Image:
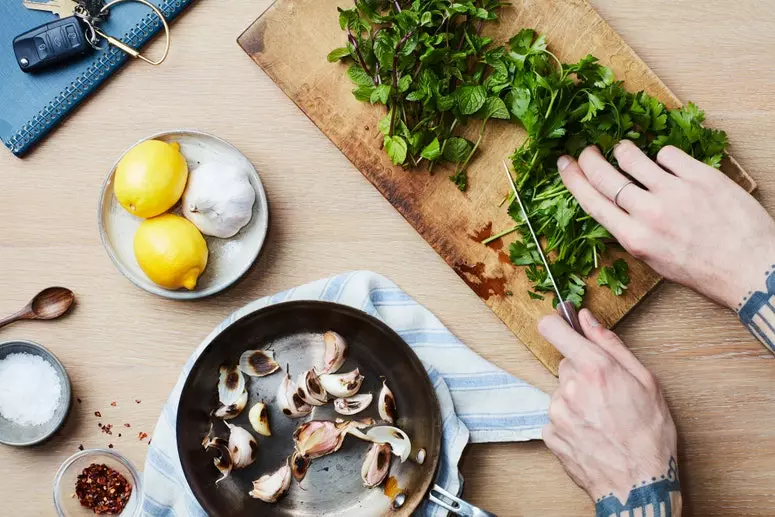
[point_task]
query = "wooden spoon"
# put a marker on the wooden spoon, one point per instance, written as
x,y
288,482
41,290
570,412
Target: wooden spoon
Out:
x,y
48,304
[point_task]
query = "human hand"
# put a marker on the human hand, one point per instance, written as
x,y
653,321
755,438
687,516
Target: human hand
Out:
x,y
609,424
689,222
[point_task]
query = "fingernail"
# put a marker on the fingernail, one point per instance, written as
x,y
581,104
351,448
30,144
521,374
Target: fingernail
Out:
x,y
563,162
591,320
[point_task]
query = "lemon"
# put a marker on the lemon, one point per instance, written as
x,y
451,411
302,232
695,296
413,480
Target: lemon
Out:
x,y
150,178
171,251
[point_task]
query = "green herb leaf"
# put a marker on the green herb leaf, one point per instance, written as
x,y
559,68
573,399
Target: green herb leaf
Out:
x,y
396,149
337,54
381,94
457,149
432,151
494,107
359,76
616,278
470,99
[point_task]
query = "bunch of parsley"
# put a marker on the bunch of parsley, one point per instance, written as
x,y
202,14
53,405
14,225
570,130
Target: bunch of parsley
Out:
x,y
429,64
564,108
424,61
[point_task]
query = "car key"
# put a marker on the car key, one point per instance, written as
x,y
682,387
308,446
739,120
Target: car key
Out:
x,y
62,8
51,43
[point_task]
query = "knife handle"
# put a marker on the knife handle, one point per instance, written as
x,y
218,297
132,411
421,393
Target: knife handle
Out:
x,y
573,321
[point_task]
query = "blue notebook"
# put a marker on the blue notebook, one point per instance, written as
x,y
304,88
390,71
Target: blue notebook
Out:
x,y
33,104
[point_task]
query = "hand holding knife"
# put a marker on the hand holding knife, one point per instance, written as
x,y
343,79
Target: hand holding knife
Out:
x,y
566,309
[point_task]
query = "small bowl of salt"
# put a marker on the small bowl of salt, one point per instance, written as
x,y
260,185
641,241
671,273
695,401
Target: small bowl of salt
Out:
x,y
34,393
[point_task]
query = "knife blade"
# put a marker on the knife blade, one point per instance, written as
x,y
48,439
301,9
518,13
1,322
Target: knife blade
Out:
x,y
566,309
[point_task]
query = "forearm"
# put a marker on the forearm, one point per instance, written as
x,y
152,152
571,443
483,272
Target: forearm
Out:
x,y
659,496
757,311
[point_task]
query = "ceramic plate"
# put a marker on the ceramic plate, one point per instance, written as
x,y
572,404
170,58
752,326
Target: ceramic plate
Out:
x,y
229,258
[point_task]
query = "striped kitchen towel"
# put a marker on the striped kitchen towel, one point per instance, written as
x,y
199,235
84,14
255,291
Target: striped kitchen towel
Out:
x,y
479,401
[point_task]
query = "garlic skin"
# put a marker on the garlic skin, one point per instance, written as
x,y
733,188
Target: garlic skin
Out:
x,y
232,392
243,448
258,416
387,404
397,439
318,438
376,465
291,404
352,405
222,460
232,410
336,352
218,199
299,466
342,385
271,487
258,363
310,389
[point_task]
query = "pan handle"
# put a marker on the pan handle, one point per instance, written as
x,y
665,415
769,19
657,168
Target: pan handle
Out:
x,y
455,505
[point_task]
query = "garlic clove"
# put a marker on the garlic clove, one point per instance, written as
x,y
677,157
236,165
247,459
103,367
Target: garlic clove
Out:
x,y
299,466
397,439
271,487
208,437
258,363
352,405
291,404
222,460
319,438
343,384
258,416
243,448
227,412
231,384
387,404
376,465
310,389
336,352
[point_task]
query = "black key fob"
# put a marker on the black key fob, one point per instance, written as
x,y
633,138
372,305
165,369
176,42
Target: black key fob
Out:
x,y
51,43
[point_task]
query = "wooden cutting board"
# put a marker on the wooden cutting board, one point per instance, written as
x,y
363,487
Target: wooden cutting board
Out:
x,y
290,42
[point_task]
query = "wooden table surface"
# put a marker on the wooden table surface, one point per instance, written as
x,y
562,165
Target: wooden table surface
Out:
x,y
122,344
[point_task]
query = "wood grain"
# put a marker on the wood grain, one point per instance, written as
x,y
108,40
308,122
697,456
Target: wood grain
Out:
x,y
290,42
121,344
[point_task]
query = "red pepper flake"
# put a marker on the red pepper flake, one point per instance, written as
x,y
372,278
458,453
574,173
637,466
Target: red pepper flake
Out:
x,y
137,401
80,447
107,428
79,400
110,446
98,414
119,435
127,425
103,490
113,403
142,436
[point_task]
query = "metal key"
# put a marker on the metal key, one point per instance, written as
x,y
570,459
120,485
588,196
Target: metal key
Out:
x,y
62,8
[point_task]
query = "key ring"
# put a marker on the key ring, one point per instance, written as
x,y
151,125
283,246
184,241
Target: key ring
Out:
x,y
95,33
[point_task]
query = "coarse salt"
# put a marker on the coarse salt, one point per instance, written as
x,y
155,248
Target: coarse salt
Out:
x,y
30,389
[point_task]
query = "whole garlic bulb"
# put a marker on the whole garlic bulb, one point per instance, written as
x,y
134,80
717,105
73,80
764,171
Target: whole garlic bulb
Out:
x,y
218,199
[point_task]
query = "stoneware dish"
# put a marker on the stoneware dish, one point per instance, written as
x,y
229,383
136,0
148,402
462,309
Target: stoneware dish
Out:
x,y
64,482
333,484
229,258
12,433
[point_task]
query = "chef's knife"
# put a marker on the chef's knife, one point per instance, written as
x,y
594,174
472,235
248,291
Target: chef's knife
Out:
x,y
566,309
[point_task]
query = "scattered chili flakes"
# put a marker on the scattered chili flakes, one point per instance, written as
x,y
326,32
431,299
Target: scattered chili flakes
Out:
x,y
127,425
103,490
98,414
79,400
142,436
107,428
137,401
110,446
113,403
80,447
119,435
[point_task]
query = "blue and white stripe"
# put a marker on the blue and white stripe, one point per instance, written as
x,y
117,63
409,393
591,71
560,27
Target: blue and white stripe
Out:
x,y
479,401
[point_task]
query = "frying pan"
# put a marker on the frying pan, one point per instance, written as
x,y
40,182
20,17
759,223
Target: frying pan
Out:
x,y
333,485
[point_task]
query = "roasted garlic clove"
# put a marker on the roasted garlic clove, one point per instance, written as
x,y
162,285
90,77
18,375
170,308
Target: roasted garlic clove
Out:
x,y
291,404
243,448
397,439
342,385
318,438
258,363
258,416
231,384
271,487
222,460
387,404
376,465
299,466
310,389
227,412
352,405
336,352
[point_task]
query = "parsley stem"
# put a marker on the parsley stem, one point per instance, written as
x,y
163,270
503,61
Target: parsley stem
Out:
x,y
497,236
473,150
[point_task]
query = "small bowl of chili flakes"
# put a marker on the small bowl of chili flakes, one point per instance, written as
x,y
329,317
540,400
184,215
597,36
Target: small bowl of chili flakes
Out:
x,y
97,482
